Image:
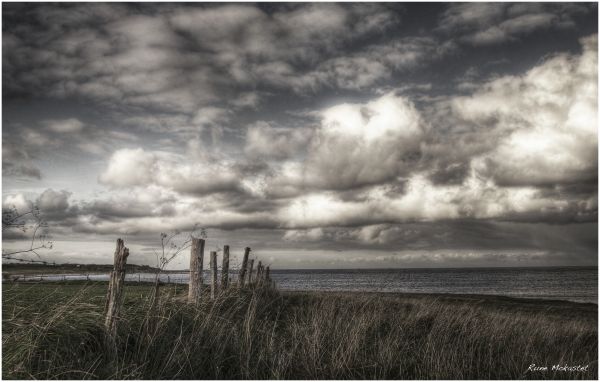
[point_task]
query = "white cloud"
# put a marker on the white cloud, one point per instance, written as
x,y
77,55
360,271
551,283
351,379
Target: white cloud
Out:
x,y
359,144
17,201
137,167
314,234
129,167
547,119
423,201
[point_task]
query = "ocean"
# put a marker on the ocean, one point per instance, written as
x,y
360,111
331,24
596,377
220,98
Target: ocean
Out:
x,y
579,284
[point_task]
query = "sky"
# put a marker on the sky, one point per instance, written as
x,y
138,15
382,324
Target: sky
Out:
x,y
344,135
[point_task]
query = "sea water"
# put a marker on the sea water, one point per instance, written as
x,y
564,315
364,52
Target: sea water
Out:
x,y
578,284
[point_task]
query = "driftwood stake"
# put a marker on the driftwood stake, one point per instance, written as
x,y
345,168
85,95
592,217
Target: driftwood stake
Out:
x,y
115,289
242,275
196,262
213,267
225,270
250,269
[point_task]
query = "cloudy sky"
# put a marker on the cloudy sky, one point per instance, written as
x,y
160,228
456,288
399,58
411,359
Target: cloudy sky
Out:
x,y
320,135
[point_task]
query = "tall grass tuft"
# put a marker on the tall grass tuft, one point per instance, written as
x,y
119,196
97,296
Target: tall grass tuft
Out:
x,y
263,334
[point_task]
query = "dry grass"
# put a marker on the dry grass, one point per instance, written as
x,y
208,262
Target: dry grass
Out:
x,y
56,332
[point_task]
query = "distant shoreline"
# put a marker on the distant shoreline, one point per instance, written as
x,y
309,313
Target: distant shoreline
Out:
x,y
535,303
524,283
101,268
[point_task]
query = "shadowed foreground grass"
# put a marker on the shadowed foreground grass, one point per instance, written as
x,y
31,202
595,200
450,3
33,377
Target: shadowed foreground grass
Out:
x,y
55,331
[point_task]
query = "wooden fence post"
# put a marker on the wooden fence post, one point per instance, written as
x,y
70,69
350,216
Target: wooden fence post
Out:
x,y
115,289
213,283
242,274
259,273
268,276
250,269
196,262
225,269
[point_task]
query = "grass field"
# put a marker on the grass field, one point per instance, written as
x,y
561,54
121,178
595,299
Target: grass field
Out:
x,y
17,269
55,331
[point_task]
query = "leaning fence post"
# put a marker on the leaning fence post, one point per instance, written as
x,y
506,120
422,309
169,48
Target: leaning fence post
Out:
x,y
250,269
242,275
213,266
225,269
196,262
115,289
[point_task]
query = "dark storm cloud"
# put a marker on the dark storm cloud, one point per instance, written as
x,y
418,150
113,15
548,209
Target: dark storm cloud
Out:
x,y
149,58
17,162
494,23
115,209
449,173
381,126
24,142
568,243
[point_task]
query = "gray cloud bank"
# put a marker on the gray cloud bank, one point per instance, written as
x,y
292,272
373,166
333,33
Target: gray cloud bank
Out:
x,y
193,131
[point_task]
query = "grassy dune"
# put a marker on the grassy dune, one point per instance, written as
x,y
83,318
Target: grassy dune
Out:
x,y
55,330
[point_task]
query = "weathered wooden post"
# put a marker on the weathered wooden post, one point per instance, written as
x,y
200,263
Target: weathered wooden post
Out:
x,y
268,276
115,289
225,269
242,274
213,283
196,262
259,273
250,269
